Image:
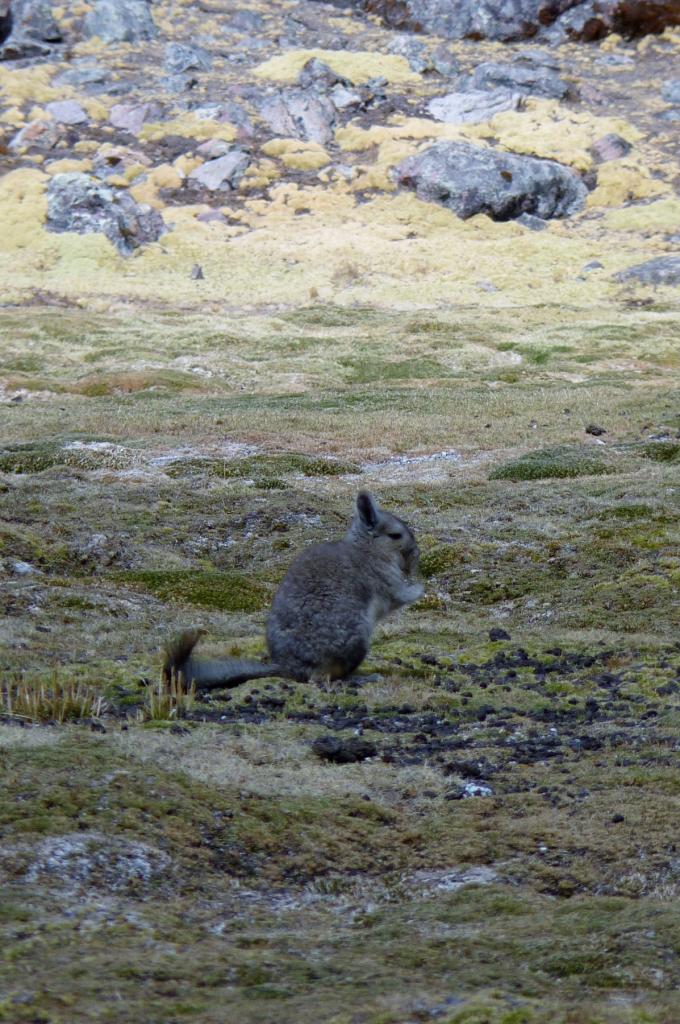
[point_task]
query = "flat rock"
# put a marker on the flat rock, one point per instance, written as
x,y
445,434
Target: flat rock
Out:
x,y
225,172
80,203
67,112
120,21
473,107
524,76
472,179
129,116
664,270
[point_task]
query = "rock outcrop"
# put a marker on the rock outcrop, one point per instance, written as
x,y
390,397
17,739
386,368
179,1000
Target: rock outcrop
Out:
x,y
78,202
508,20
472,179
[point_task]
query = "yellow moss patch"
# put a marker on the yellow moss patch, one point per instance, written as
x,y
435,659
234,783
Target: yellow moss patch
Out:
x,y
132,172
86,146
300,156
31,85
13,116
259,175
96,109
185,164
188,126
621,181
357,66
549,131
166,176
66,165
23,207
661,216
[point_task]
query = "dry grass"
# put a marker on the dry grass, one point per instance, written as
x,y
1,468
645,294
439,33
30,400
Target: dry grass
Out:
x,y
60,700
167,700
277,758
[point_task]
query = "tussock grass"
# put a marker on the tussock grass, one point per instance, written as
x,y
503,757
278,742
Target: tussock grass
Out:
x,y
59,700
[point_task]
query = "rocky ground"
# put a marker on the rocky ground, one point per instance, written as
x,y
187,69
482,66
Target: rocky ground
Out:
x,y
254,258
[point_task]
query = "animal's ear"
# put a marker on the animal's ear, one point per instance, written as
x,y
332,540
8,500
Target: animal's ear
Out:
x,y
368,510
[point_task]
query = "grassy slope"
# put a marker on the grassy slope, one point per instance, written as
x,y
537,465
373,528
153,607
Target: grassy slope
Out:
x,y
157,473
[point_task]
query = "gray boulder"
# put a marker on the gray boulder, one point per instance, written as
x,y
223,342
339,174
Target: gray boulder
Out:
x,y
300,114
78,202
471,179
473,107
120,21
27,29
180,58
663,270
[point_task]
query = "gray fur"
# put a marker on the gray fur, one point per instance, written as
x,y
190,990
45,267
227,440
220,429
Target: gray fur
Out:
x,y
324,613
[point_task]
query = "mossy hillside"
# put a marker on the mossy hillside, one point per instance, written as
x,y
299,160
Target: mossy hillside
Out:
x,y
299,886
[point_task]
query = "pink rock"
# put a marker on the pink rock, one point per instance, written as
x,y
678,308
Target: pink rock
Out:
x,y
67,112
44,134
128,116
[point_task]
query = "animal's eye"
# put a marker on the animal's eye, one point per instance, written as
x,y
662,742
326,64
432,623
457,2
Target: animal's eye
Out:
x,y
394,536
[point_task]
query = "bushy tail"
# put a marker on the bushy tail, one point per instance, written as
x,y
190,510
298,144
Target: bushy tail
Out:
x,y
179,660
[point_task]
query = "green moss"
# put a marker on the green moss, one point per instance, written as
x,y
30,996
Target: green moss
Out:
x,y
439,559
226,591
661,451
266,470
363,371
557,462
37,456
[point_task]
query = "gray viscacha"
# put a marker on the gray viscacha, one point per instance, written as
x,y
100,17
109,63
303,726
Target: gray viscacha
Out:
x,y
325,610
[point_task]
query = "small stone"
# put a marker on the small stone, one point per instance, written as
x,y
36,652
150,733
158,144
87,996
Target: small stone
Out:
x,y
497,633
24,569
617,819
197,272
67,112
180,58
610,147
223,173
41,134
671,91
128,116
596,431
532,223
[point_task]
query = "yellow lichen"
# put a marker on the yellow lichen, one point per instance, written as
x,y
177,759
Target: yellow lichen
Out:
x,y
296,154
188,126
661,216
66,165
621,181
13,116
357,66
31,85
186,163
